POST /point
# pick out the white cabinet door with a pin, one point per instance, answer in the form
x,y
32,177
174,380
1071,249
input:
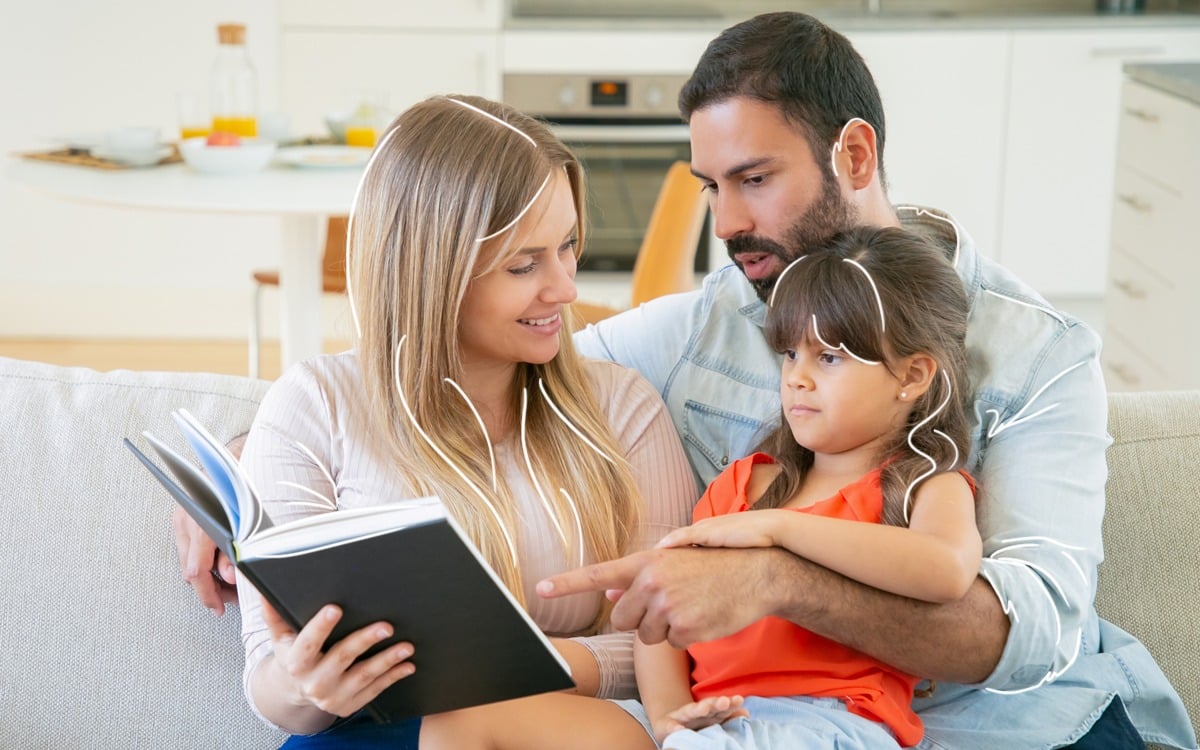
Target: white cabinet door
x,y
398,14
944,104
331,71
1061,150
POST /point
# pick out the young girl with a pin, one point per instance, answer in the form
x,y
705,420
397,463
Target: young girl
x,y
862,477
462,384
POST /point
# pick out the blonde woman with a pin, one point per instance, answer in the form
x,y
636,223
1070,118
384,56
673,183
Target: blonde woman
x,y
463,384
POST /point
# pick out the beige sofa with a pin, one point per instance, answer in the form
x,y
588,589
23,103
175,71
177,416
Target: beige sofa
x,y
103,646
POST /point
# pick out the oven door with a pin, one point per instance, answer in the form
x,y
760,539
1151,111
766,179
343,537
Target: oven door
x,y
625,164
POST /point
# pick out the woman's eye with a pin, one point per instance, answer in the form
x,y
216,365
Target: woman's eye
x,y
569,245
522,270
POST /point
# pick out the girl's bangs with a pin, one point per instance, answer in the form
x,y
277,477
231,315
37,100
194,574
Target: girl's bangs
x,y
827,300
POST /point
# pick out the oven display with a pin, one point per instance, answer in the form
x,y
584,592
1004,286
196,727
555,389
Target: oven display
x,y
610,93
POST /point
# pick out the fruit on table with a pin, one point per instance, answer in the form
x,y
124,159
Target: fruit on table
x,y
222,138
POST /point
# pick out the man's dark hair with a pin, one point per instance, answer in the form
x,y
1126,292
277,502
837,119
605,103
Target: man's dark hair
x,y
811,72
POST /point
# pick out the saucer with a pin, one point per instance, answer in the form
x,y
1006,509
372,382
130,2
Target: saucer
x,y
323,157
133,158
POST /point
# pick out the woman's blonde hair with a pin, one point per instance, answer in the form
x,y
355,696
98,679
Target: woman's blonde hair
x,y
439,205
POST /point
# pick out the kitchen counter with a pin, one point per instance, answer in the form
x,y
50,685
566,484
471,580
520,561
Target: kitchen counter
x,y
1181,79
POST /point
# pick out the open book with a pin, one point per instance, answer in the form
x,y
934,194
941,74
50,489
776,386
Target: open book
x,y
407,563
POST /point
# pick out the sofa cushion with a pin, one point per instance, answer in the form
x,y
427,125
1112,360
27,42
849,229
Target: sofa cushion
x,y
1148,582
104,645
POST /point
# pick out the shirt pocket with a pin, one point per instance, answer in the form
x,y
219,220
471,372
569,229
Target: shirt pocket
x,y
714,436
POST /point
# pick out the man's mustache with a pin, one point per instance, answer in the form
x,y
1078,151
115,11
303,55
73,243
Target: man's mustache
x,y
750,244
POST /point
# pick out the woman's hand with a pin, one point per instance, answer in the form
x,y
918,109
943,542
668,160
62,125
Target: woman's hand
x,y
704,713
759,528
335,681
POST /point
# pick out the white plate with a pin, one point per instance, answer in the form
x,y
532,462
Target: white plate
x,y
323,157
133,158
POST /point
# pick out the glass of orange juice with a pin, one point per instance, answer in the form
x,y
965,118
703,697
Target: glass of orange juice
x,y
364,125
193,120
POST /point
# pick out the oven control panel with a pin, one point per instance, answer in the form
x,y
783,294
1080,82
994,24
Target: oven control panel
x,y
595,97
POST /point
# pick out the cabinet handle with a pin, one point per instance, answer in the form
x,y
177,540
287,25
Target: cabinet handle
x,y
1136,203
1128,51
1133,291
1144,115
1123,373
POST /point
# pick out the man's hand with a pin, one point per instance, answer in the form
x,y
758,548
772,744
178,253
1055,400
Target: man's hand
x,y
683,596
206,570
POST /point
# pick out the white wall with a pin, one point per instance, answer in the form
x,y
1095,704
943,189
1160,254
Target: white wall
x,y
71,269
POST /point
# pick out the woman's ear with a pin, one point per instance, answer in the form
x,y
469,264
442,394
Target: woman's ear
x,y
915,375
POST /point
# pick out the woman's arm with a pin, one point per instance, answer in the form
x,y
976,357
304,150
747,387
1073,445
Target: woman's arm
x,y
935,559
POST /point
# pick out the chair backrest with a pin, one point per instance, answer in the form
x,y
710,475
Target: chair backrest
x,y
666,261
333,263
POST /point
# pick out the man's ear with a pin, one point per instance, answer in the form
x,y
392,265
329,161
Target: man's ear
x,y
855,155
916,374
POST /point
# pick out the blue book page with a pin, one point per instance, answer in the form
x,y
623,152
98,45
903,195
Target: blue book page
x,y
221,466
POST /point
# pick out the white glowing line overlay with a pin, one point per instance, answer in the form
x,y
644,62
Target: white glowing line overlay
x,y
350,225
933,465
537,486
925,212
875,289
520,215
554,408
1052,313
493,118
771,301
839,347
512,547
1040,573
482,428
1020,417
837,146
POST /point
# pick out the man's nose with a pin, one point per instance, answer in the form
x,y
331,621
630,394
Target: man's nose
x,y
730,216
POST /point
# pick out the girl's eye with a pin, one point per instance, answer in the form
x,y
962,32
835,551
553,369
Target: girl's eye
x,y
789,355
830,358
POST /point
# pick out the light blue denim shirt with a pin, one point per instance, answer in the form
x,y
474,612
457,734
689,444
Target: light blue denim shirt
x,y
1039,427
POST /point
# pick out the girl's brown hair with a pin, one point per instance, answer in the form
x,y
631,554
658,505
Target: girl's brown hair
x,y
924,311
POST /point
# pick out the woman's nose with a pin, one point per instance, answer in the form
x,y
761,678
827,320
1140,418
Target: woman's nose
x,y
560,287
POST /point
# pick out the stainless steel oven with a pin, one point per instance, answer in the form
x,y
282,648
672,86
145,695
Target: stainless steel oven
x,y
627,131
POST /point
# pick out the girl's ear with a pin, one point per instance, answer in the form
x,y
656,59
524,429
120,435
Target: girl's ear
x,y
915,375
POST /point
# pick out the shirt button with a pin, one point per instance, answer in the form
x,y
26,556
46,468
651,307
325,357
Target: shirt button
x,y
724,460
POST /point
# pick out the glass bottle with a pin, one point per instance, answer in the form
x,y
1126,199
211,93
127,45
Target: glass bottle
x,y
234,86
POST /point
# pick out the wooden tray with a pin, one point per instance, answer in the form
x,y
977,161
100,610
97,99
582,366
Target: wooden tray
x,y
81,157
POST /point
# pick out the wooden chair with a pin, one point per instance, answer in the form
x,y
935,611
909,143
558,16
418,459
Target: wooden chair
x,y
333,281
666,260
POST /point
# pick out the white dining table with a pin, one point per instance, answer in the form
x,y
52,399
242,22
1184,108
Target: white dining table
x,y
304,198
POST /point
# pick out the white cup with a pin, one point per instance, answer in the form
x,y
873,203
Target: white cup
x,y
131,139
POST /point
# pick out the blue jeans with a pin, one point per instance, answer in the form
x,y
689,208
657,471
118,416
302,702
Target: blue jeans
x,y
1112,731
360,732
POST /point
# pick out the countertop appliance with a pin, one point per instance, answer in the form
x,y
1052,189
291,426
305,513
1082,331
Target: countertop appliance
x,y
627,131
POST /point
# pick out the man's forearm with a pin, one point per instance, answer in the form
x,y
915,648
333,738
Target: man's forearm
x,y
959,641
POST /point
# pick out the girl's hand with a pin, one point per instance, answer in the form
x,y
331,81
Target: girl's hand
x,y
705,713
334,681
757,528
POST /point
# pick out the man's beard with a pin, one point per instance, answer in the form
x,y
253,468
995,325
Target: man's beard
x,y
825,218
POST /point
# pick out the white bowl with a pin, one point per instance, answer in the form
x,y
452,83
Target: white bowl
x,y
251,155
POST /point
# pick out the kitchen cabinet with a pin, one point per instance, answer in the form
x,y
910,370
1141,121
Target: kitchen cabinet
x,y
1056,199
398,14
1154,260
944,120
331,70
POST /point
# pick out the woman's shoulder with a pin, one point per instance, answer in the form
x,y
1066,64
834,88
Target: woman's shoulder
x,y
325,379
610,380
